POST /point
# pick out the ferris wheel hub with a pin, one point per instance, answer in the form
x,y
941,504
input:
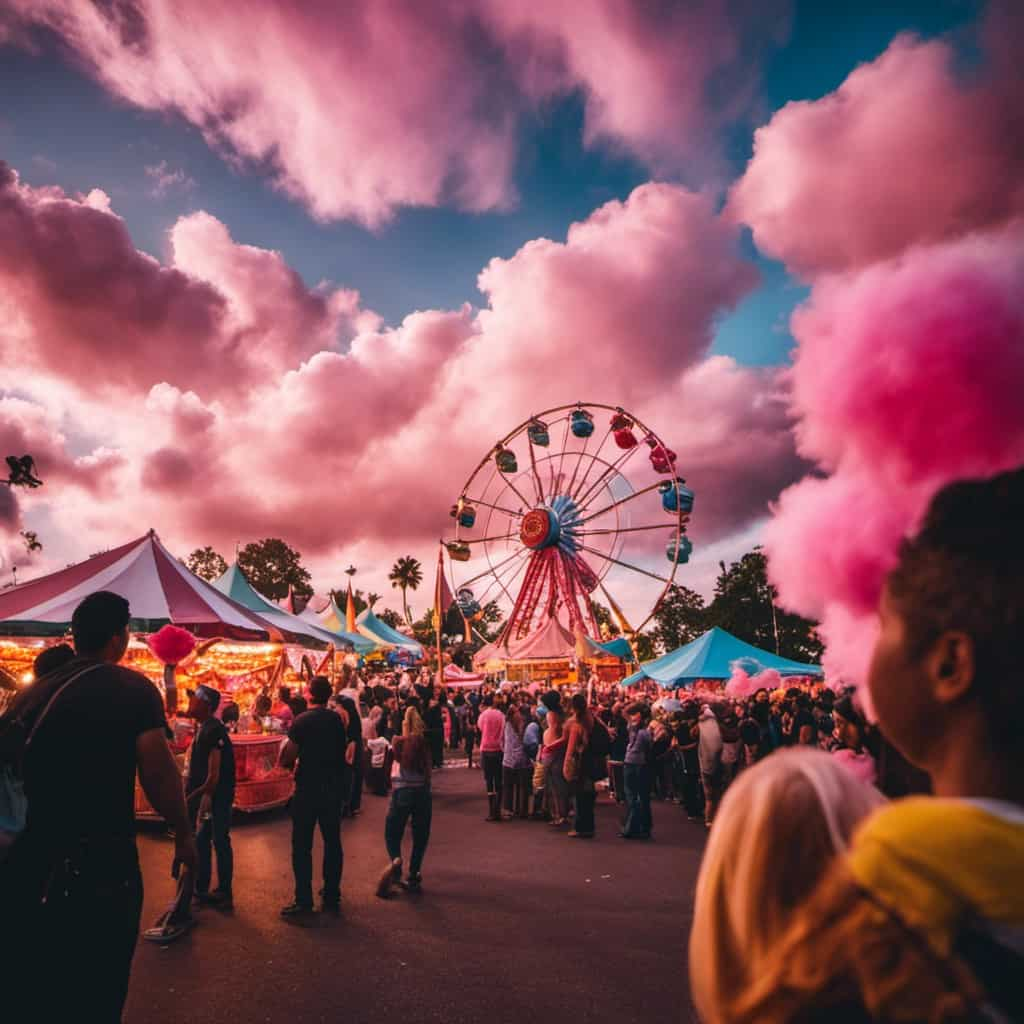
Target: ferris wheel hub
x,y
551,524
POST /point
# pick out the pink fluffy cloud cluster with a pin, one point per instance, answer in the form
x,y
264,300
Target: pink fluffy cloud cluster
x,y
910,359
362,107
217,398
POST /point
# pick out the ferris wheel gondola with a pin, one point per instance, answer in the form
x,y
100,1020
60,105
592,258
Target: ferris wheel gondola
x,y
559,514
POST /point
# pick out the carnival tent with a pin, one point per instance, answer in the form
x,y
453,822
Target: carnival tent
x,y
712,656
295,629
381,633
157,586
457,677
332,618
546,643
618,648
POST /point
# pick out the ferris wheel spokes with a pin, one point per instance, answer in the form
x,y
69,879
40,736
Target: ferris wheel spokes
x,y
620,502
496,508
613,467
491,569
625,529
625,565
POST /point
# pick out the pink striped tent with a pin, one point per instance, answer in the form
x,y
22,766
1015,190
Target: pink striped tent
x,y
159,588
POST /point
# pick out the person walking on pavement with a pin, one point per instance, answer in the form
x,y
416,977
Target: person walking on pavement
x,y
637,776
210,791
317,741
410,798
70,886
491,726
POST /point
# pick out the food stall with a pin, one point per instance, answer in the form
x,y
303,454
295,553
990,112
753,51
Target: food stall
x,y
237,641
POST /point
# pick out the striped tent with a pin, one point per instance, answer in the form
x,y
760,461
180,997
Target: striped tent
x,y
381,633
157,586
295,629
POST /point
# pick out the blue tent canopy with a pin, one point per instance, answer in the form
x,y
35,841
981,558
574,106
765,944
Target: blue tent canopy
x,y
711,656
619,648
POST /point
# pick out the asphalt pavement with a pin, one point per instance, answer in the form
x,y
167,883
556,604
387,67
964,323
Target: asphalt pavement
x,y
516,923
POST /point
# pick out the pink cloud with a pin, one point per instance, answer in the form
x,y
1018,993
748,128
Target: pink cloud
x,y
908,375
359,108
110,317
909,149
296,413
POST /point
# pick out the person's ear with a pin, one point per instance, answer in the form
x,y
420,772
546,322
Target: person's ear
x,y
951,667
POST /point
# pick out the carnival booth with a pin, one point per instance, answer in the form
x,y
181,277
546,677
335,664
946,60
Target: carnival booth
x,y
712,657
221,642
550,652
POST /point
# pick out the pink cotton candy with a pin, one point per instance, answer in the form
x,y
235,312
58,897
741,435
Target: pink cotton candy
x,y
171,644
908,375
742,685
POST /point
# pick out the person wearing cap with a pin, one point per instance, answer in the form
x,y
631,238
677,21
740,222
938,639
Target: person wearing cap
x,y
210,791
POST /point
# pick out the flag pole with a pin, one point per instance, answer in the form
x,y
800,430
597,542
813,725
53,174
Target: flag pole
x,y
438,615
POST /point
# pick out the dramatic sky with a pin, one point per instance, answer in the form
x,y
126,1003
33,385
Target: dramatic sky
x,y
290,269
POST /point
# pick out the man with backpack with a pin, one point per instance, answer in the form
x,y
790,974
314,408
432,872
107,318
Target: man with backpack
x,y
70,886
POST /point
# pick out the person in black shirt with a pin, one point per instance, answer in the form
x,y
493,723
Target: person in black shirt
x,y
70,887
317,741
210,791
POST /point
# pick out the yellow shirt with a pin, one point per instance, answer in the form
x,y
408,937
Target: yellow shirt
x,y
939,863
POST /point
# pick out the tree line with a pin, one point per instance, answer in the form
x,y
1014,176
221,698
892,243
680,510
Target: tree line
x,y
744,603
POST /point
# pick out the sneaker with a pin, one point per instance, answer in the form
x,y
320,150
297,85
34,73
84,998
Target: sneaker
x,y
332,907
389,877
296,909
414,883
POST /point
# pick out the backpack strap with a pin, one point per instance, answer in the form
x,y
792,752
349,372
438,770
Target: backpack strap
x,y
53,700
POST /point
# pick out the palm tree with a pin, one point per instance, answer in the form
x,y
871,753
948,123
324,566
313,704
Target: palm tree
x,y
406,574
372,599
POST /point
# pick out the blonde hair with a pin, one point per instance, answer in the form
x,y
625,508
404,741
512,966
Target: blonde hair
x,y
779,828
412,724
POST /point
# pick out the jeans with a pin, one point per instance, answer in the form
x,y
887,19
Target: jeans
x,y
406,802
491,760
585,798
558,789
435,737
516,785
355,795
85,931
637,784
214,836
313,805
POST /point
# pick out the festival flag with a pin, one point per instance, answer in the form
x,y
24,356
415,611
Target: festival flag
x,y
350,611
624,626
443,599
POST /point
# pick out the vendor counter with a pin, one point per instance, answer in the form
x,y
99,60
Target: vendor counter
x,y
259,784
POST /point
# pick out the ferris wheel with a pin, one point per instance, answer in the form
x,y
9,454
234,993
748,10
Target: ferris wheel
x,y
574,505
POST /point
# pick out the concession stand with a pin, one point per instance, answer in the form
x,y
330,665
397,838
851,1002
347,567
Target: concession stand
x,y
224,634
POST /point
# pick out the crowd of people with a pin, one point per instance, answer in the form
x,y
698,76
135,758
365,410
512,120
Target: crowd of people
x,y
827,886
